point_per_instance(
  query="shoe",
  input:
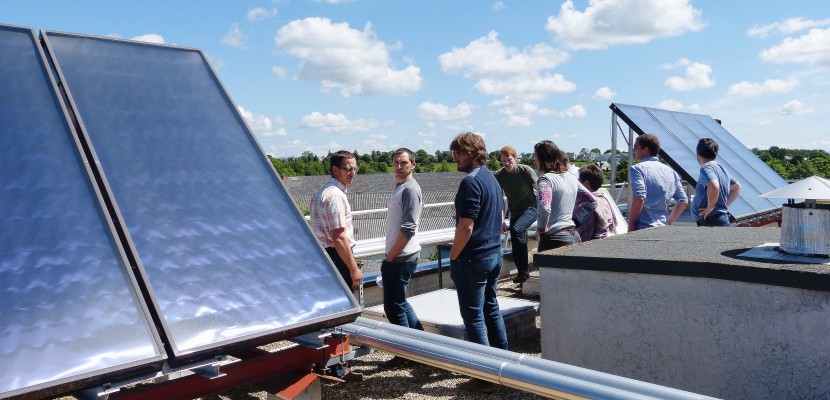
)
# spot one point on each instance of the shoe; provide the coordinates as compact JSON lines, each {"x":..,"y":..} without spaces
{"x":478,"y":386}
{"x":395,"y":363}
{"x":352,"y":376}
{"x":521,"y":277}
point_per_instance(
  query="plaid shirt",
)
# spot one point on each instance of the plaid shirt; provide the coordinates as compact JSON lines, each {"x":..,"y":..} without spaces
{"x":330,"y":210}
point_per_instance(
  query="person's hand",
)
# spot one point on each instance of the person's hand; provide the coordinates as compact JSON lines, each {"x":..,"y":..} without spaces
{"x":504,"y":227}
{"x":632,"y":227}
{"x":704,"y":212}
{"x":357,"y":279}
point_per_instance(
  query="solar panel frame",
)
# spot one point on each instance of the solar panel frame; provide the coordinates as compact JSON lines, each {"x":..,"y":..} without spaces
{"x":84,"y":360}
{"x":180,"y":355}
{"x":679,"y":133}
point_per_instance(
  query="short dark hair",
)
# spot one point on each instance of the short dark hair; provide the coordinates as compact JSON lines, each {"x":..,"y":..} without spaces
{"x":707,"y":148}
{"x":649,"y":141}
{"x":593,"y":175}
{"x":403,"y":150}
{"x":337,"y":159}
{"x":549,"y":156}
{"x":471,"y":144}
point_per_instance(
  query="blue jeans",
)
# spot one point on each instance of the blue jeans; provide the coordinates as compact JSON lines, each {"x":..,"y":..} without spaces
{"x":475,"y":283}
{"x":721,"y":219}
{"x":396,"y":278}
{"x":558,"y":239}
{"x":518,"y":236}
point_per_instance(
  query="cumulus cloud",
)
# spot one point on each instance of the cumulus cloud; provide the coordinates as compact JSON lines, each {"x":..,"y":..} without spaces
{"x":604,"y":93}
{"x":671,"y":105}
{"x":352,"y":61}
{"x":234,"y":37}
{"x":746,"y":88}
{"x":519,"y":113}
{"x":439,"y":112}
{"x":786,"y":27}
{"x":150,"y":38}
{"x":259,"y":14}
{"x":280,"y":72}
{"x":500,"y":70}
{"x":794,"y":107}
{"x":337,"y":123}
{"x":262,"y":125}
{"x":601,"y":24}
{"x":697,"y":76}
{"x":811,"y":48}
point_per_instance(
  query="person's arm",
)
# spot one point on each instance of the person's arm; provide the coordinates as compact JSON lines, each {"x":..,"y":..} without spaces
{"x":676,"y":211}
{"x":734,"y":189}
{"x":543,"y":205}
{"x":587,"y":205}
{"x":634,"y":212}
{"x":344,"y":250}
{"x":712,"y":192}
{"x":463,"y":232}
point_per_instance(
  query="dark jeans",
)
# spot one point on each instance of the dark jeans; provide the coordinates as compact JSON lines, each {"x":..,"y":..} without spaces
{"x":518,"y":236}
{"x":558,"y":239}
{"x":721,"y":219}
{"x":396,"y":278}
{"x":341,"y":266}
{"x":475,"y":284}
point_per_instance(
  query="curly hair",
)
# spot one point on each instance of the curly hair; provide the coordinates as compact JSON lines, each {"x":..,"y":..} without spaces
{"x":471,"y":144}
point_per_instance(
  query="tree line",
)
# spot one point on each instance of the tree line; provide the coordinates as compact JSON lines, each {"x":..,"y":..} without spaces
{"x":791,"y":164}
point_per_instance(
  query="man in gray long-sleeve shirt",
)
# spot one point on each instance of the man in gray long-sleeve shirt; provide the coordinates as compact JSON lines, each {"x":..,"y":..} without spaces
{"x":402,"y":246}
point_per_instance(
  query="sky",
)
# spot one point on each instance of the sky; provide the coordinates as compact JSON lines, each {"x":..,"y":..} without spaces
{"x":368,"y":75}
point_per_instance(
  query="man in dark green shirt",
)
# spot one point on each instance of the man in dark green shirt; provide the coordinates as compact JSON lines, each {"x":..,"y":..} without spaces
{"x":518,"y":181}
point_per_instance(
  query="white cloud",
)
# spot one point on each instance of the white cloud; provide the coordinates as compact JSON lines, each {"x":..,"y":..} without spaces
{"x":614,"y":22}
{"x":746,"y":88}
{"x":259,"y":14}
{"x":811,"y":48}
{"x":498,"y":5}
{"x":234,"y":37}
{"x":150,"y":38}
{"x":697,"y":76}
{"x":378,"y":137}
{"x":604,"y":93}
{"x":337,"y":123}
{"x":436,"y":111}
{"x":280,"y":72}
{"x":786,"y":27}
{"x":519,"y":113}
{"x":794,"y":107}
{"x":427,"y":134}
{"x":262,"y":125}
{"x":671,"y":105}
{"x":506,"y":71}
{"x":352,"y":61}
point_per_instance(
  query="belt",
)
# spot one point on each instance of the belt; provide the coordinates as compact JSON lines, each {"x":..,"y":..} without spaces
{"x":570,"y":228}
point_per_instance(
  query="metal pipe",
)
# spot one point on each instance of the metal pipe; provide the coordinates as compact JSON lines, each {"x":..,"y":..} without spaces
{"x":526,"y":373}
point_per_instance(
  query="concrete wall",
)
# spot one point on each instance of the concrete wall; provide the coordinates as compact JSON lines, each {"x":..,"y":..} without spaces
{"x":721,"y":338}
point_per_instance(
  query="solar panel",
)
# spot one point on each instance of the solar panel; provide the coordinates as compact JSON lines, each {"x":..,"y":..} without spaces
{"x":70,"y":314}
{"x":679,"y":133}
{"x":228,"y":259}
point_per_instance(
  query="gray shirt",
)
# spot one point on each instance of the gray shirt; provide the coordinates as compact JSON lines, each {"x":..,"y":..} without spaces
{"x":403,"y":215}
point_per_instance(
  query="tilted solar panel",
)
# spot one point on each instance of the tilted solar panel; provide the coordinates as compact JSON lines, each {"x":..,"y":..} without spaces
{"x":69,"y":309}
{"x":679,"y":133}
{"x":228,"y":259}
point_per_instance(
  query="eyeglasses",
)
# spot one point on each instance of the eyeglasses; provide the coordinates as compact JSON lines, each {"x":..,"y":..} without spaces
{"x":350,"y":170}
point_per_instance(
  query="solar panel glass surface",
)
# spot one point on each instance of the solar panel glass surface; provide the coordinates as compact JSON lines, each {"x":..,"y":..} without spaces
{"x":69,"y":310}
{"x":226,"y":253}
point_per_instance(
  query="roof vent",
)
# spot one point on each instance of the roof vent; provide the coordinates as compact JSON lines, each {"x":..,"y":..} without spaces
{"x":805,"y":226}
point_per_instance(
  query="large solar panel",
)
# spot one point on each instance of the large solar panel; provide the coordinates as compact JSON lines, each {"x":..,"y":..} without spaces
{"x":679,"y":133}
{"x":70,"y":313}
{"x":228,"y":259}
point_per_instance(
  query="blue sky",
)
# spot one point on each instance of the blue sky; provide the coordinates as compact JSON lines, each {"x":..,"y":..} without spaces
{"x":377,"y":75}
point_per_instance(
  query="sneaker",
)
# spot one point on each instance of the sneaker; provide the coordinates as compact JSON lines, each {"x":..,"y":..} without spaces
{"x":478,"y":386}
{"x":521,"y":277}
{"x":395,"y":363}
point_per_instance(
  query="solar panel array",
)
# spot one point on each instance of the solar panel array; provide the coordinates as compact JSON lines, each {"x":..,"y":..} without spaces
{"x":679,"y":133}
{"x":154,"y":228}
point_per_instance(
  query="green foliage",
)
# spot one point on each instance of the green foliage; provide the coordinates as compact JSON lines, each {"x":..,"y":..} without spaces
{"x":795,"y":164}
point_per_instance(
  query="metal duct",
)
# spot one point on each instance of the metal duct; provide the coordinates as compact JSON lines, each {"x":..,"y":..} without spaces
{"x":529,"y":374}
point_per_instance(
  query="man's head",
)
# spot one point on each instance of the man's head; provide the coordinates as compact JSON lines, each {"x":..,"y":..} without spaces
{"x":343,"y":166}
{"x":707,"y":149}
{"x":646,"y":145}
{"x":566,"y":161}
{"x":548,"y":157}
{"x":507,"y":155}
{"x":468,"y":151}
{"x":591,"y":176}
{"x":403,"y":161}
